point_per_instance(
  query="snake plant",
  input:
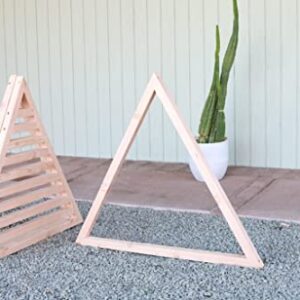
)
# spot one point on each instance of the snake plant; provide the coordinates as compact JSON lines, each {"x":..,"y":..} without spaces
{"x":212,"y":124}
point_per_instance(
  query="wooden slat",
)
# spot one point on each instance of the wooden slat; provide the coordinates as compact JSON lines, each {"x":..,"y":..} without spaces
{"x":39,"y":175}
{"x":28,"y":184}
{"x":30,"y":197}
{"x":30,"y":226}
{"x":37,"y":231}
{"x":26,"y":126}
{"x":25,"y":156}
{"x":32,"y":211}
{"x":24,"y":170}
{"x":25,"y":112}
{"x":27,"y":141}
{"x":169,"y":251}
{"x":57,"y":166}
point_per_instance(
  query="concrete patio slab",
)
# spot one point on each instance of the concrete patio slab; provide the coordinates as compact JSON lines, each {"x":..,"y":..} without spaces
{"x":279,"y":200}
{"x":167,"y":190}
{"x":255,"y":192}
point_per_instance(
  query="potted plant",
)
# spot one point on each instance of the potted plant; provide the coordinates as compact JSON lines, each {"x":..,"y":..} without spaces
{"x":211,"y":137}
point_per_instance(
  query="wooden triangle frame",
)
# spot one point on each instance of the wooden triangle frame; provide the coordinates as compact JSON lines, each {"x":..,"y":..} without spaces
{"x":35,"y":199}
{"x":250,"y":257}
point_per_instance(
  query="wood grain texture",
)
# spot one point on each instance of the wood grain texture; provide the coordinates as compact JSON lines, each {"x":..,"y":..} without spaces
{"x":156,"y":90}
{"x":32,"y":184}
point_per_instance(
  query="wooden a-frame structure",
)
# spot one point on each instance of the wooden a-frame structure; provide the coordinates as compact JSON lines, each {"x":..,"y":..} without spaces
{"x":250,"y":257}
{"x":35,"y":199}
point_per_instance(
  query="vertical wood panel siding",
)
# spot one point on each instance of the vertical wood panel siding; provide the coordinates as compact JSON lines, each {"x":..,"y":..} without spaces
{"x":88,"y":61}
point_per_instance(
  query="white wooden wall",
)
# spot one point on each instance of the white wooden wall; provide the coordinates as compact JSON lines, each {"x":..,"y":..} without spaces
{"x":88,"y":61}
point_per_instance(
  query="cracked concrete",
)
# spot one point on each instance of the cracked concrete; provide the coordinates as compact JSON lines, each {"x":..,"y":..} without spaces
{"x":255,"y":192}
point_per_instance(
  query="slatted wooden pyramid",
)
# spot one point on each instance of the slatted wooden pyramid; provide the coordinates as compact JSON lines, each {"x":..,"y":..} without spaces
{"x":35,"y":199}
{"x":250,"y":258}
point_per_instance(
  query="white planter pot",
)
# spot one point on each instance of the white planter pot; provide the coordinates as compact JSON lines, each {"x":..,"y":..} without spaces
{"x":216,"y":155}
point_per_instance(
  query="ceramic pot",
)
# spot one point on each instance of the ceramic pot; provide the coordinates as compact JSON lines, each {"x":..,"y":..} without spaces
{"x":216,"y":155}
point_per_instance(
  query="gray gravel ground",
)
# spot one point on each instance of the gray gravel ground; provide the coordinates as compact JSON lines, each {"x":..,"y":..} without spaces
{"x":60,"y":269}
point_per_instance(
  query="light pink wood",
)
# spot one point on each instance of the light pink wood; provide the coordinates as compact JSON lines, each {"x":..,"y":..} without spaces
{"x":250,"y":258}
{"x":31,"y":181}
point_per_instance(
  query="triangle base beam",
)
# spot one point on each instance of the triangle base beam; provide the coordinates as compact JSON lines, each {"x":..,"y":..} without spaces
{"x":35,"y":199}
{"x":169,"y":251}
{"x":250,"y":258}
